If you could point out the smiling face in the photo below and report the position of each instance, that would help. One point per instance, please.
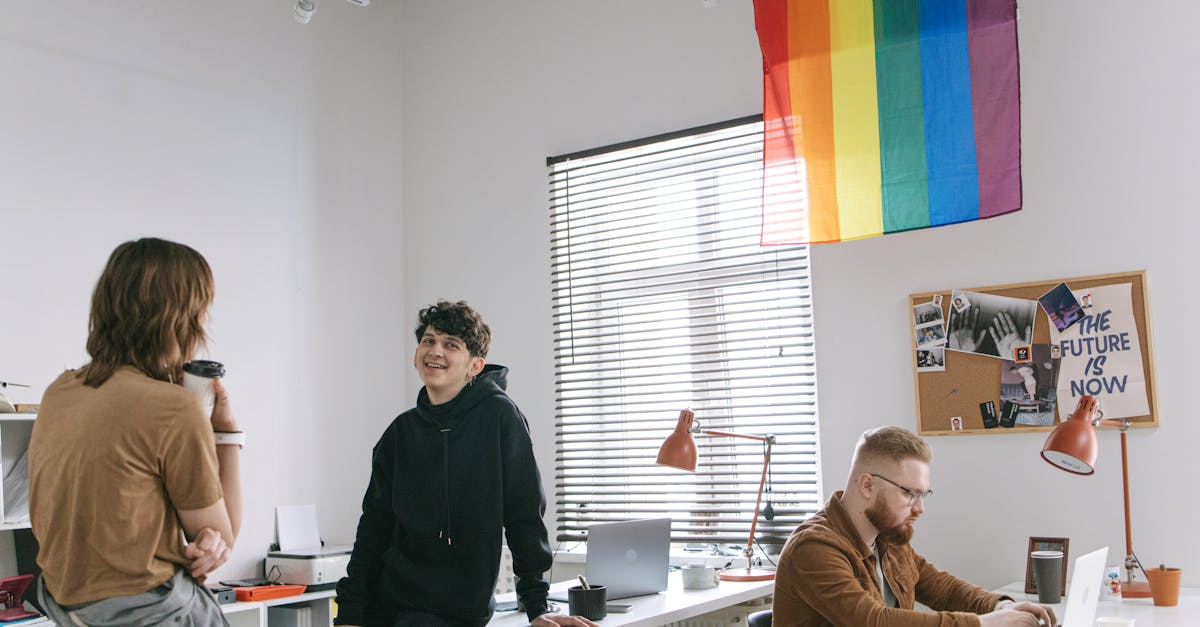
(444, 364)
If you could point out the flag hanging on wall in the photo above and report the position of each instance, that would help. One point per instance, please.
(887, 115)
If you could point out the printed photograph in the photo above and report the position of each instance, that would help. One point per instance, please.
(1061, 307)
(959, 301)
(1032, 387)
(956, 423)
(1022, 354)
(990, 325)
(931, 334)
(926, 313)
(931, 360)
(937, 300)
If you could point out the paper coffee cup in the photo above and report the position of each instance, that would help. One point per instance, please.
(198, 378)
(1047, 575)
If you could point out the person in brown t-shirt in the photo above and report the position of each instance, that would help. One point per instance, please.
(122, 457)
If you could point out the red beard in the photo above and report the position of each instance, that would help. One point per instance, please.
(895, 534)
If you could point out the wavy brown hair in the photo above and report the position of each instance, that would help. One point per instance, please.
(148, 310)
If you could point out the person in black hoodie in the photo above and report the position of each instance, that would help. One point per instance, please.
(447, 478)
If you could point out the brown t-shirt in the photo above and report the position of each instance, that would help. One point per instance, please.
(109, 468)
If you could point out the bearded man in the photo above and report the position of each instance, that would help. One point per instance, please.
(851, 565)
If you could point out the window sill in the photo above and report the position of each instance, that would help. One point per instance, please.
(678, 557)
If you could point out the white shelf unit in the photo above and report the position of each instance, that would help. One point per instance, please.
(254, 613)
(15, 430)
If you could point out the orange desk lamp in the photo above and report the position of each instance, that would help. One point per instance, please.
(679, 451)
(1073, 447)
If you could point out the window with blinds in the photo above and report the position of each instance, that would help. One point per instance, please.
(664, 300)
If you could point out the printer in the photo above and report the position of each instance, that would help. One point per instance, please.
(319, 568)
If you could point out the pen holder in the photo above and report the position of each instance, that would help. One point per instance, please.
(699, 577)
(590, 603)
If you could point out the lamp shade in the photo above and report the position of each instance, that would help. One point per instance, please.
(679, 449)
(1072, 445)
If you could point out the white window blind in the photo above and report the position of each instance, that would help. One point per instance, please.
(664, 300)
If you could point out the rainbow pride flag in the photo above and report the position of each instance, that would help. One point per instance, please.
(887, 115)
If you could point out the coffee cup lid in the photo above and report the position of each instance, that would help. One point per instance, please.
(204, 368)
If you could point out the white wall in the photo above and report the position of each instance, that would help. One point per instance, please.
(275, 150)
(271, 148)
(1109, 135)
(493, 88)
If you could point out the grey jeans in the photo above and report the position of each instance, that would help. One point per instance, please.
(179, 602)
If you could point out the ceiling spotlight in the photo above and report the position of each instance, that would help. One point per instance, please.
(304, 11)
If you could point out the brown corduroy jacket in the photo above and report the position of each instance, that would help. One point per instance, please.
(827, 578)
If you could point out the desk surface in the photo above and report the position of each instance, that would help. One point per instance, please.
(656, 609)
(1187, 613)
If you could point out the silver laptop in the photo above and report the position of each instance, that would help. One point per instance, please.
(1084, 592)
(628, 558)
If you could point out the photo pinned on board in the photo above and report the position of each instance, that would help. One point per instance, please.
(1022, 354)
(991, 325)
(931, 360)
(1085, 300)
(1061, 307)
(1030, 387)
(956, 423)
(926, 313)
(931, 334)
(959, 302)
(937, 300)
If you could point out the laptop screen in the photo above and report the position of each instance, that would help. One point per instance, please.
(629, 558)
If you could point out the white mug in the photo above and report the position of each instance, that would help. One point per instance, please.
(699, 577)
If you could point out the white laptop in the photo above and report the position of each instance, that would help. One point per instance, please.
(628, 558)
(1084, 592)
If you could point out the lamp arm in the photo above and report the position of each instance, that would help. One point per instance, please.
(762, 482)
(769, 439)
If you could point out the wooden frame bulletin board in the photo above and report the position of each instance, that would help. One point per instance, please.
(970, 379)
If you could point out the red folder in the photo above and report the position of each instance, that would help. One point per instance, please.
(262, 593)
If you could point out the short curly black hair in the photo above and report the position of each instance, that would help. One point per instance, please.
(457, 319)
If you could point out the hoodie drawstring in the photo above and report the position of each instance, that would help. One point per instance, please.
(445, 531)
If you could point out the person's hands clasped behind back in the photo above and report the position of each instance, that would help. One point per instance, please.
(1023, 614)
(207, 552)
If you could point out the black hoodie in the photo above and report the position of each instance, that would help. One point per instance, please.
(417, 549)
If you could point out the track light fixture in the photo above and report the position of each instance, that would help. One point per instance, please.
(305, 9)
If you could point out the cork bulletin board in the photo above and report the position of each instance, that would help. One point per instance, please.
(970, 379)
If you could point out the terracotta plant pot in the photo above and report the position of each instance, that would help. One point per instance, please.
(1164, 585)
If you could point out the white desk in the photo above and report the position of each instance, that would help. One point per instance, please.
(656, 609)
(1187, 613)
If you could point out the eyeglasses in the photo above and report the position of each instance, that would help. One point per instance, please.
(913, 495)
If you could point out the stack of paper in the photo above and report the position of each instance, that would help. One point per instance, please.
(299, 615)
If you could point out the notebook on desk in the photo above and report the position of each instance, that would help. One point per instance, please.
(629, 558)
(1084, 592)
